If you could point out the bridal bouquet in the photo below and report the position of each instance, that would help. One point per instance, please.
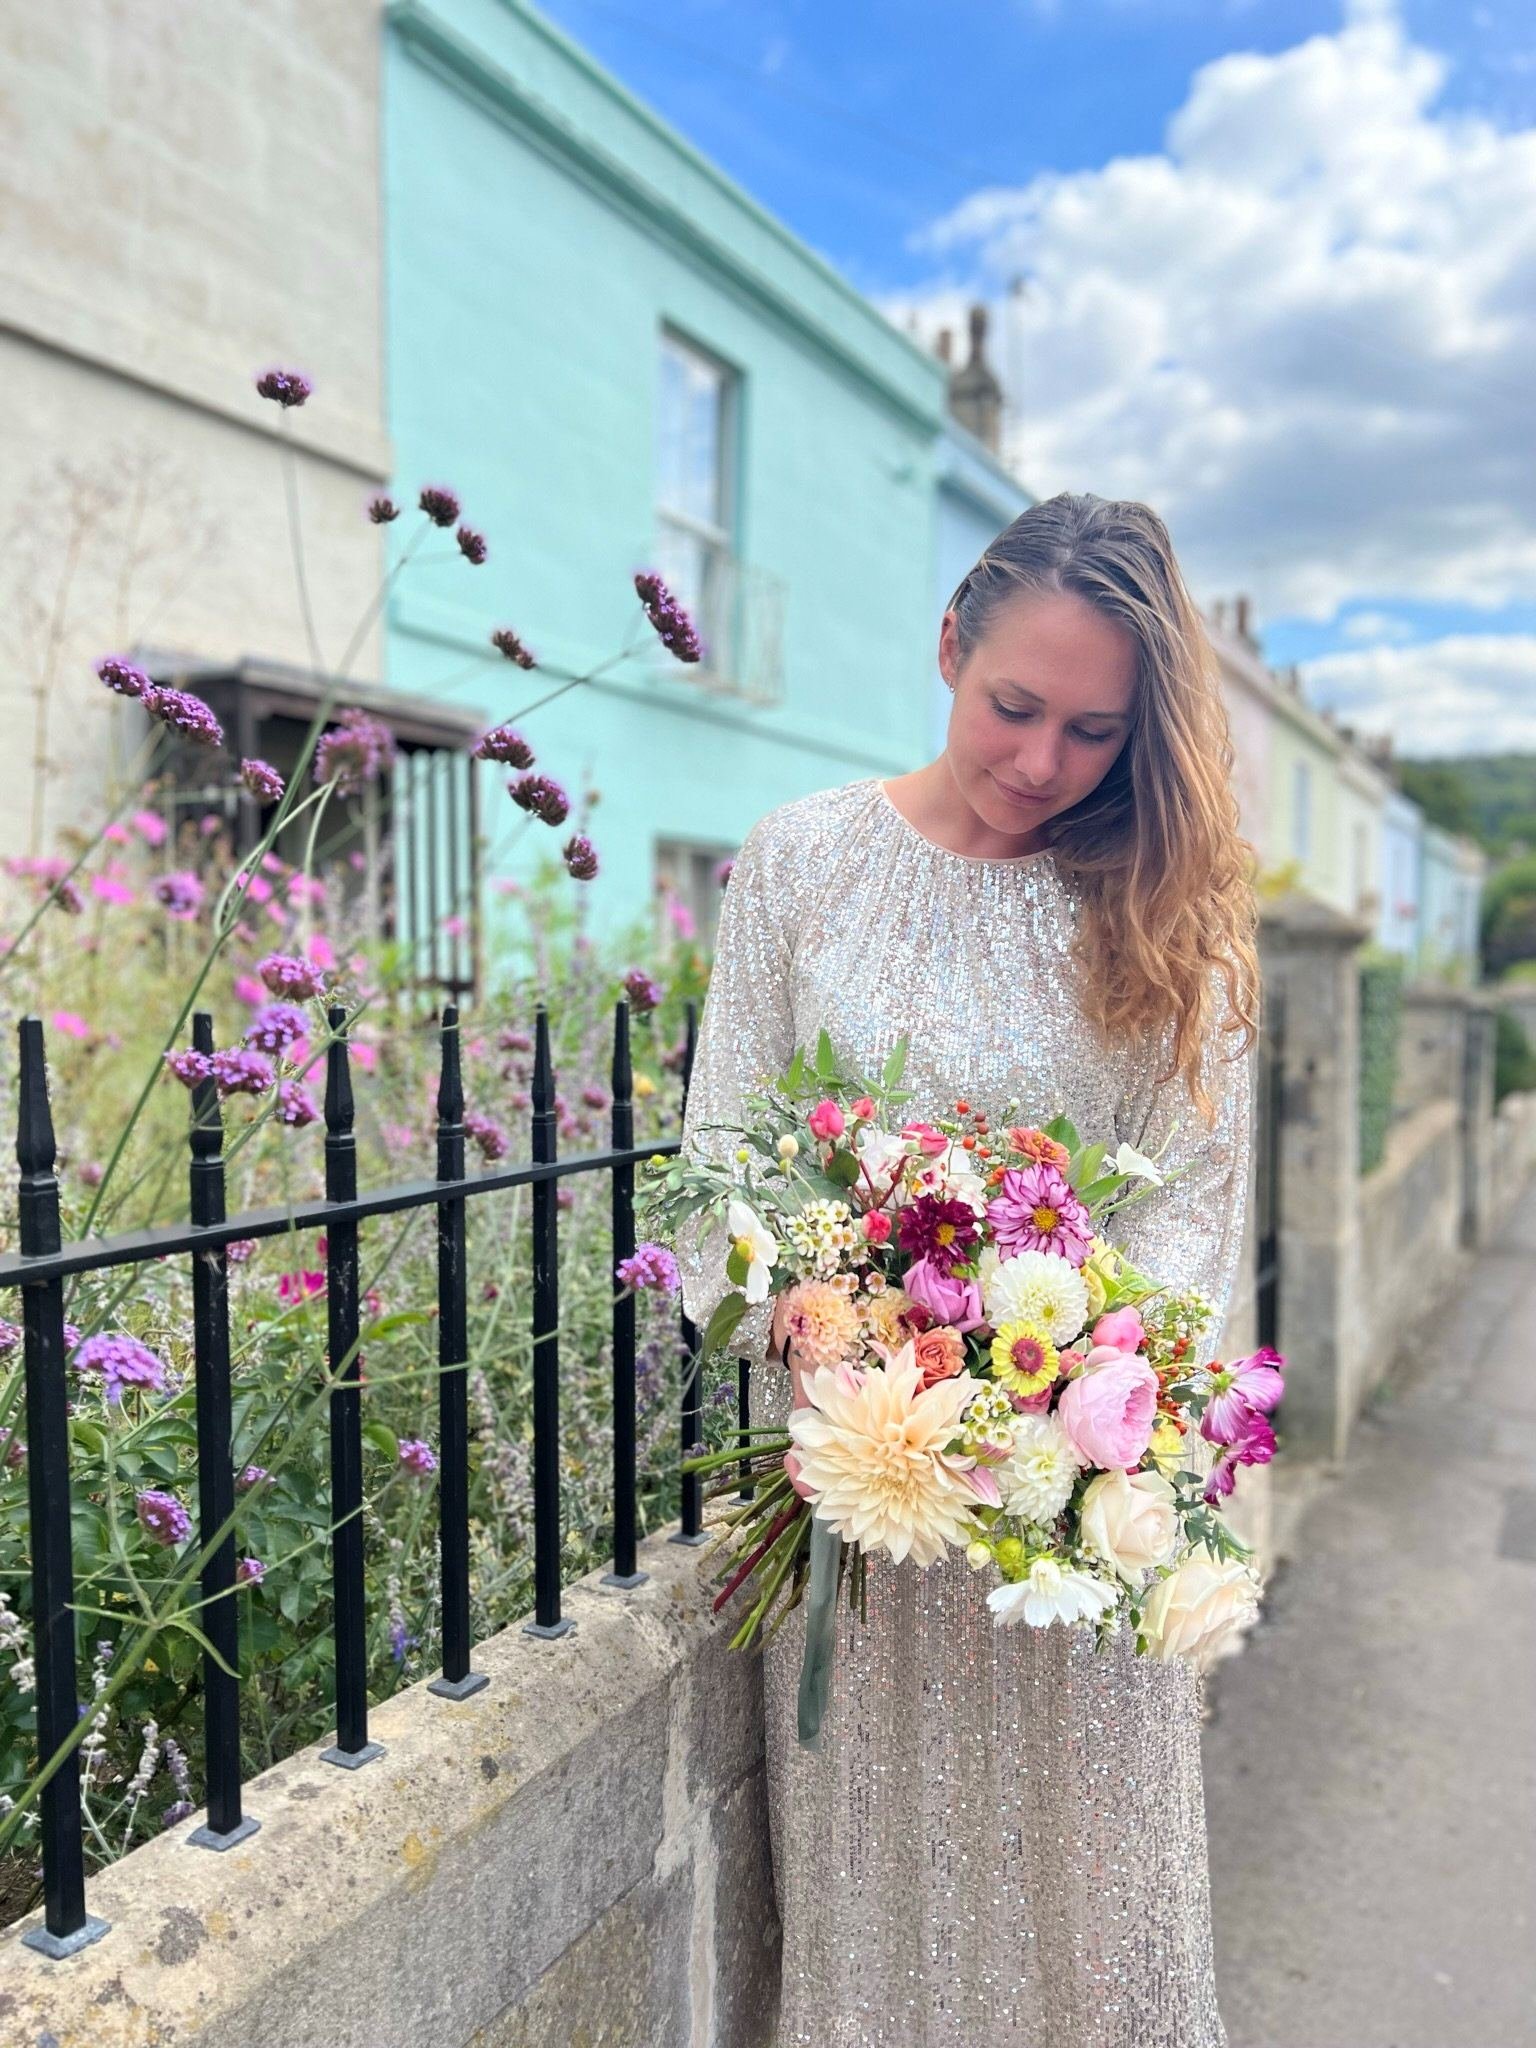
(981, 1371)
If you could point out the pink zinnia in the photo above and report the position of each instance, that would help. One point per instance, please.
(1038, 1211)
(1242, 1392)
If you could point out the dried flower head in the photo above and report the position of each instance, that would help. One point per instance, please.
(501, 743)
(506, 642)
(123, 676)
(262, 780)
(472, 545)
(440, 506)
(580, 857)
(541, 795)
(284, 387)
(356, 750)
(673, 625)
(184, 713)
(382, 510)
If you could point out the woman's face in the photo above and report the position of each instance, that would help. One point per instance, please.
(1043, 705)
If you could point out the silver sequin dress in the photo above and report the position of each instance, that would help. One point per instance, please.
(1002, 1839)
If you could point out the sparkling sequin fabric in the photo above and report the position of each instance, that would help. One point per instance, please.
(1002, 1838)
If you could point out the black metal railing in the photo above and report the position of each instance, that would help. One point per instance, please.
(43, 1264)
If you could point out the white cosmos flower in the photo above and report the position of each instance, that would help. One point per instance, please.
(1052, 1591)
(870, 1446)
(1037, 1478)
(1034, 1287)
(757, 1245)
(1129, 1160)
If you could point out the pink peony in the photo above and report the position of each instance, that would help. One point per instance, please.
(948, 1297)
(1110, 1409)
(826, 1120)
(1122, 1330)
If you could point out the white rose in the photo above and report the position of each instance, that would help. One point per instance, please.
(1196, 1609)
(1131, 1520)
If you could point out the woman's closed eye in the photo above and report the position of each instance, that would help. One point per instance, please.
(1094, 739)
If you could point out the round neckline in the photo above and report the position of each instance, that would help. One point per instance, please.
(980, 860)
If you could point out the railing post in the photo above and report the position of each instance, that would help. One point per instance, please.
(351, 1748)
(457, 1681)
(66, 1924)
(624, 1572)
(691, 1529)
(547, 1619)
(220, 1618)
(744, 1423)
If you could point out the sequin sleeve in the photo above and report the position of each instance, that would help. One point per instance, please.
(1189, 1233)
(745, 1036)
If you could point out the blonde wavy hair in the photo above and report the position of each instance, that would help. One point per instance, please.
(1153, 853)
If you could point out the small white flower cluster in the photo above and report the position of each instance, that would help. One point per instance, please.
(989, 1418)
(820, 1235)
(13, 1644)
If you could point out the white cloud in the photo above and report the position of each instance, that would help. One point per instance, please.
(1376, 627)
(1303, 330)
(1468, 693)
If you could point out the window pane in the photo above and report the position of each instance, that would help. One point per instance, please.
(690, 452)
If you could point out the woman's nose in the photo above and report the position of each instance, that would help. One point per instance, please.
(1038, 764)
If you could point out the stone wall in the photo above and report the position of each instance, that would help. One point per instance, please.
(576, 1857)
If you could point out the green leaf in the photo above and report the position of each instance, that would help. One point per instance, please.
(383, 1439)
(87, 1435)
(843, 1168)
(400, 1319)
(722, 1324)
(1064, 1131)
(826, 1058)
(896, 1062)
(737, 1266)
(1085, 1164)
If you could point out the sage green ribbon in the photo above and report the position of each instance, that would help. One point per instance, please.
(820, 1630)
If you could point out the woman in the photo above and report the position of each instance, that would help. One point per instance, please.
(1002, 1837)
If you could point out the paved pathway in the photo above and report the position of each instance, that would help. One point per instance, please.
(1370, 1756)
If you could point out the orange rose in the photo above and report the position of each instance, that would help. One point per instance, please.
(1037, 1146)
(938, 1353)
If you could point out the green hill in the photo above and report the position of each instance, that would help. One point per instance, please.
(1492, 797)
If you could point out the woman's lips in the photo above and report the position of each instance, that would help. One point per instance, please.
(1019, 796)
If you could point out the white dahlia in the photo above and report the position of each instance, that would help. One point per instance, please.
(1034, 1287)
(871, 1449)
(1037, 1480)
(1052, 1591)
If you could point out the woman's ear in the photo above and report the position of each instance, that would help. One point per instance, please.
(949, 650)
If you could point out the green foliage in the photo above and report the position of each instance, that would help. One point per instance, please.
(1442, 791)
(1497, 791)
(1514, 1060)
(1509, 916)
(1381, 1005)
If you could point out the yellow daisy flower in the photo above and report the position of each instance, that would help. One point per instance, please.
(1024, 1360)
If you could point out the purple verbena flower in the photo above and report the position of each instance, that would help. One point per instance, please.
(10, 1337)
(506, 642)
(240, 1250)
(382, 510)
(123, 676)
(501, 743)
(285, 387)
(644, 994)
(250, 1571)
(162, 1517)
(262, 780)
(594, 1095)
(400, 1640)
(440, 506)
(180, 894)
(184, 713)
(249, 1476)
(672, 623)
(288, 974)
(472, 545)
(12, 1449)
(241, 1072)
(189, 1066)
(67, 896)
(275, 1026)
(541, 795)
(355, 750)
(295, 1105)
(580, 857)
(418, 1458)
(650, 1266)
(515, 1041)
(485, 1133)
(120, 1361)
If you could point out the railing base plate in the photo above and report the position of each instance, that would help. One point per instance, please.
(550, 1631)
(352, 1759)
(703, 1536)
(57, 1946)
(206, 1838)
(459, 1688)
(624, 1579)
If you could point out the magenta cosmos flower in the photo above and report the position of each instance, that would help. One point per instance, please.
(1251, 1387)
(1038, 1211)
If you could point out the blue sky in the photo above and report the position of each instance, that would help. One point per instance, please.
(1279, 268)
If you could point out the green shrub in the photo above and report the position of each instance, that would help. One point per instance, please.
(1381, 1006)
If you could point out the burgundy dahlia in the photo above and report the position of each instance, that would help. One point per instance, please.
(472, 545)
(501, 743)
(123, 676)
(284, 387)
(672, 623)
(440, 506)
(541, 795)
(580, 857)
(941, 1231)
(506, 642)
(262, 780)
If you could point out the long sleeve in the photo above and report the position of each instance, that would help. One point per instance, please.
(745, 1036)
(1190, 1233)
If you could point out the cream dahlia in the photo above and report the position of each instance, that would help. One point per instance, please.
(821, 1323)
(1034, 1287)
(871, 1450)
(1037, 1481)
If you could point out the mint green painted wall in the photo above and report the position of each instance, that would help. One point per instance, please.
(541, 227)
